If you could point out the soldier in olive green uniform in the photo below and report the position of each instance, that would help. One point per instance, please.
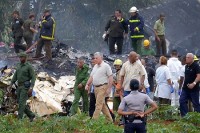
(79, 87)
(29, 30)
(25, 76)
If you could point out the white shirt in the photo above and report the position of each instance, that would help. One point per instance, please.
(163, 88)
(174, 66)
(100, 73)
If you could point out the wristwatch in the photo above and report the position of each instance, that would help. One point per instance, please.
(194, 83)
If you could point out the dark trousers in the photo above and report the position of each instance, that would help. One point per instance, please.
(92, 104)
(118, 41)
(135, 127)
(161, 45)
(47, 45)
(18, 45)
(164, 101)
(28, 41)
(193, 97)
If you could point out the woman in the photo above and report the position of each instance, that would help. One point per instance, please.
(163, 80)
(132, 108)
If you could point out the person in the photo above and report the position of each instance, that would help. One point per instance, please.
(134, 104)
(79, 87)
(190, 89)
(174, 66)
(29, 30)
(117, 28)
(147, 50)
(159, 30)
(150, 74)
(17, 32)
(92, 95)
(25, 76)
(102, 78)
(136, 23)
(131, 69)
(47, 34)
(196, 59)
(117, 93)
(164, 84)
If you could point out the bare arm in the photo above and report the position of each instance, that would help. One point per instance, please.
(142, 79)
(89, 82)
(197, 78)
(169, 82)
(33, 30)
(110, 81)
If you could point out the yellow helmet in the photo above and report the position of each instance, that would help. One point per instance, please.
(195, 58)
(146, 43)
(117, 62)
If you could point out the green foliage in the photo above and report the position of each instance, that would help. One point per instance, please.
(56, 124)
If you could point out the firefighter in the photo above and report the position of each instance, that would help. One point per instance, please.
(147, 50)
(117, 28)
(136, 23)
(47, 34)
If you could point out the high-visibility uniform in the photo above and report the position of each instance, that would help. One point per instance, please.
(137, 32)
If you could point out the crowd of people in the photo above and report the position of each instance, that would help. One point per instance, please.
(135, 84)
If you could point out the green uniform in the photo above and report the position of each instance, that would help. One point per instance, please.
(28, 34)
(147, 52)
(24, 72)
(81, 77)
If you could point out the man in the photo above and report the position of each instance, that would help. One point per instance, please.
(92, 95)
(136, 23)
(79, 87)
(174, 67)
(29, 30)
(47, 33)
(190, 90)
(25, 76)
(117, 94)
(131, 69)
(102, 78)
(132, 108)
(159, 30)
(147, 50)
(17, 32)
(117, 28)
(150, 74)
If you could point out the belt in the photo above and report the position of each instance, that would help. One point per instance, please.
(100, 85)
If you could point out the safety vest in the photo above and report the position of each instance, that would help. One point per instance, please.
(48, 33)
(136, 31)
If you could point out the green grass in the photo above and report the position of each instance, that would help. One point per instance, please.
(83, 124)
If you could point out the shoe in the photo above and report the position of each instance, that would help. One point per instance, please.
(32, 118)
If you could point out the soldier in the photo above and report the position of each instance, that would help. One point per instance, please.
(79, 90)
(25, 76)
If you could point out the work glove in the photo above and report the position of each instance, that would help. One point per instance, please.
(147, 90)
(179, 92)
(171, 89)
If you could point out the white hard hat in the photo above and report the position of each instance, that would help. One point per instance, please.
(133, 9)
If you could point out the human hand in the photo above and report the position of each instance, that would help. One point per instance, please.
(86, 87)
(171, 89)
(191, 86)
(80, 86)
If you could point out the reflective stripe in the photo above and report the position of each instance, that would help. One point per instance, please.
(121, 20)
(137, 36)
(53, 32)
(134, 21)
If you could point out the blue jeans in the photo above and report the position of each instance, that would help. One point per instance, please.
(135, 127)
(126, 93)
(193, 96)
